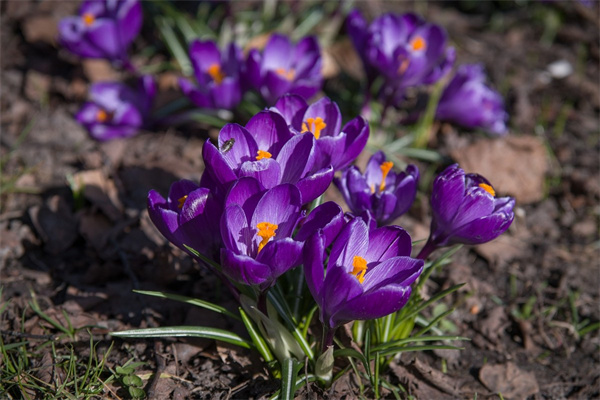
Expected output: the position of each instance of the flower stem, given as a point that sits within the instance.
(328, 334)
(429, 247)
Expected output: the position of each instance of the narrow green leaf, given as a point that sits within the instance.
(427, 303)
(257, 338)
(189, 300)
(350, 352)
(186, 331)
(397, 343)
(404, 349)
(441, 260)
(174, 45)
(432, 324)
(289, 371)
(202, 257)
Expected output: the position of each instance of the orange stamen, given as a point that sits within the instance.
(266, 231)
(385, 170)
(418, 43)
(88, 19)
(287, 74)
(102, 116)
(181, 201)
(359, 265)
(487, 188)
(403, 66)
(262, 154)
(314, 125)
(216, 73)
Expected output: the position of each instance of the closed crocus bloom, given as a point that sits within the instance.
(465, 210)
(380, 192)
(188, 216)
(116, 110)
(266, 150)
(469, 102)
(256, 229)
(336, 145)
(368, 273)
(284, 67)
(217, 75)
(103, 29)
(404, 49)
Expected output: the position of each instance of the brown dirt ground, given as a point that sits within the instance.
(84, 254)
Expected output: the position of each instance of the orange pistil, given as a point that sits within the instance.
(262, 154)
(102, 116)
(418, 43)
(287, 74)
(360, 268)
(403, 66)
(266, 231)
(181, 201)
(385, 170)
(216, 73)
(88, 19)
(487, 188)
(314, 125)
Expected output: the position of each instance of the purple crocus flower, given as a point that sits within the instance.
(218, 75)
(469, 102)
(368, 276)
(465, 210)
(336, 145)
(268, 151)
(188, 216)
(256, 228)
(103, 29)
(283, 67)
(115, 110)
(380, 192)
(404, 49)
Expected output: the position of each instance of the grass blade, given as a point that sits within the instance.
(187, 331)
(189, 300)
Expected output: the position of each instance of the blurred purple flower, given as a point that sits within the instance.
(115, 110)
(267, 150)
(103, 29)
(380, 192)
(465, 210)
(217, 75)
(336, 145)
(369, 273)
(189, 216)
(283, 67)
(404, 49)
(469, 102)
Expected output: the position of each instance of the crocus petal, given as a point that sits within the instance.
(483, 229)
(448, 192)
(277, 52)
(243, 146)
(245, 192)
(338, 288)
(165, 220)
(266, 171)
(177, 191)
(281, 255)
(387, 242)
(397, 270)
(105, 35)
(216, 164)
(198, 97)
(270, 131)
(313, 257)
(203, 55)
(327, 110)
(296, 158)
(476, 203)
(279, 206)
(352, 241)
(314, 185)
(274, 85)
(327, 217)
(244, 269)
(129, 19)
(236, 234)
(226, 95)
(357, 135)
(292, 108)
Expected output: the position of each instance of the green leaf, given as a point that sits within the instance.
(133, 380)
(350, 352)
(187, 331)
(190, 300)
(396, 350)
(289, 371)
(136, 393)
(256, 337)
(397, 343)
(417, 309)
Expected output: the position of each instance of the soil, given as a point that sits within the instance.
(74, 230)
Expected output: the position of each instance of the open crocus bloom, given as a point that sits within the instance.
(466, 210)
(368, 274)
(218, 75)
(404, 49)
(116, 110)
(103, 29)
(283, 67)
(381, 192)
(257, 228)
(336, 145)
(266, 150)
(188, 216)
(469, 102)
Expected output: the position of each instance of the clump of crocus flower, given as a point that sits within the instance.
(469, 102)
(268, 151)
(284, 67)
(115, 110)
(368, 274)
(405, 50)
(103, 29)
(335, 145)
(382, 193)
(465, 210)
(217, 75)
